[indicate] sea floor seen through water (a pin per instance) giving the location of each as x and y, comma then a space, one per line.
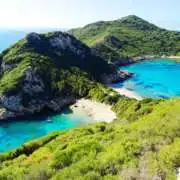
16, 132
155, 78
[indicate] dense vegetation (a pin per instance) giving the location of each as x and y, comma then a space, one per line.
143, 143
128, 37
63, 64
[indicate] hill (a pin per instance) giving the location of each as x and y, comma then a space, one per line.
47, 71
143, 143
128, 38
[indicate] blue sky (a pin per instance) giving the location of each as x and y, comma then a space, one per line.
19, 14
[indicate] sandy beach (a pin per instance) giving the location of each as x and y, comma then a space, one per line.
174, 57
98, 111
126, 92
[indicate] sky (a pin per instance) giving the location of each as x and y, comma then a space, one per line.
22, 14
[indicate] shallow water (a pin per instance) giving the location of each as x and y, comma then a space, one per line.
156, 78
16, 132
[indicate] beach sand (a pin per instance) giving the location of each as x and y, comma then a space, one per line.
99, 112
126, 92
174, 57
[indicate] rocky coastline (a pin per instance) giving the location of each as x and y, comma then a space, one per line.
30, 95
117, 77
125, 62
12, 108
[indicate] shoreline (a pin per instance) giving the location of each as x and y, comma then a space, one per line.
132, 94
98, 112
127, 93
138, 59
173, 57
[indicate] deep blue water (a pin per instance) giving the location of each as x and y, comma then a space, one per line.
16, 132
156, 78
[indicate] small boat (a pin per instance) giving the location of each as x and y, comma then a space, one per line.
49, 119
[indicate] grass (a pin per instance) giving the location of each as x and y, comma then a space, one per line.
150, 143
11, 80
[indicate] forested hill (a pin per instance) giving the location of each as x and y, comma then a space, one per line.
43, 68
128, 37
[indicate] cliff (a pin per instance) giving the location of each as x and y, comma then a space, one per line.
47, 71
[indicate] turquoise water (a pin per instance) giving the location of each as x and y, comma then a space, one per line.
8, 38
156, 78
16, 132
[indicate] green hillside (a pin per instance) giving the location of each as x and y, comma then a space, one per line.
128, 37
36, 51
145, 147
44, 68
49, 71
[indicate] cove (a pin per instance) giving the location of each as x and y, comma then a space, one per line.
14, 133
154, 78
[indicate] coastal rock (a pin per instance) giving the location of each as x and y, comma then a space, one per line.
5, 114
140, 58
123, 62
35, 106
11, 106
117, 77
125, 74
57, 104
12, 103
32, 82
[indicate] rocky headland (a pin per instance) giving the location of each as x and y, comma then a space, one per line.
41, 73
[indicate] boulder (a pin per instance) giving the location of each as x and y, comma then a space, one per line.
116, 77
12, 103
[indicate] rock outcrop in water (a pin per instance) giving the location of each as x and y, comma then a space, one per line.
116, 77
